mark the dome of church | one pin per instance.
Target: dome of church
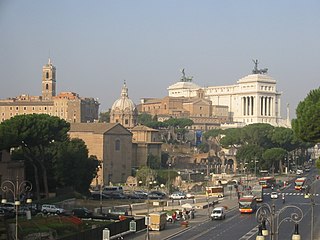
(124, 103)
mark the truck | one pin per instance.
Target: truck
(215, 191)
(157, 221)
(257, 192)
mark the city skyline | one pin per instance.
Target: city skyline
(96, 46)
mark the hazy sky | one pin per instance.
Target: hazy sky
(96, 45)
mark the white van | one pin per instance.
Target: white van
(218, 213)
(112, 189)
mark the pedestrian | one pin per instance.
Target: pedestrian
(174, 217)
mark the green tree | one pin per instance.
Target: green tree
(35, 134)
(231, 138)
(144, 118)
(213, 133)
(105, 116)
(145, 175)
(274, 157)
(154, 162)
(203, 147)
(156, 125)
(164, 159)
(73, 167)
(257, 134)
(284, 138)
(179, 125)
(307, 124)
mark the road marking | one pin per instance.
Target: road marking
(249, 234)
(214, 227)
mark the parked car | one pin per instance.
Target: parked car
(156, 195)
(6, 213)
(274, 195)
(49, 208)
(141, 194)
(22, 210)
(177, 195)
(218, 213)
(9, 206)
(117, 196)
(81, 212)
(98, 196)
(132, 195)
(190, 195)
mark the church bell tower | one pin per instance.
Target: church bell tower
(48, 81)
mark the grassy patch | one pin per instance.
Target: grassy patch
(59, 225)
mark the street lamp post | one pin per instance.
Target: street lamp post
(16, 189)
(255, 167)
(267, 213)
(310, 194)
(169, 184)
(147, 222)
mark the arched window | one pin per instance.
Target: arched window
(47, 75)
(117, 146)
(47, 86)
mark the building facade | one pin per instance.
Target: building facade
(66, 105)
(111, 143)
(146, 142)
(200, 110)
(254, 99)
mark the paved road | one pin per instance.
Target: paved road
(243, 227)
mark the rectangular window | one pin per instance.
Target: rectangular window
(117, 145)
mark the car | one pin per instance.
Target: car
(22, 211)
(6, 213)
(141, 194)
(156, 195)
(132, 195)
(177, 196)
(218, 213)
(299, 172)
(99, 196)
(82, 212)
(117, 196)
(274, 195)
(9, 206)
(190, 195)
(170, 219)
(50, 208)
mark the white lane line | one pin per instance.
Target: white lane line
(249, 234)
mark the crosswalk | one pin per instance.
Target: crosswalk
(292, 194)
